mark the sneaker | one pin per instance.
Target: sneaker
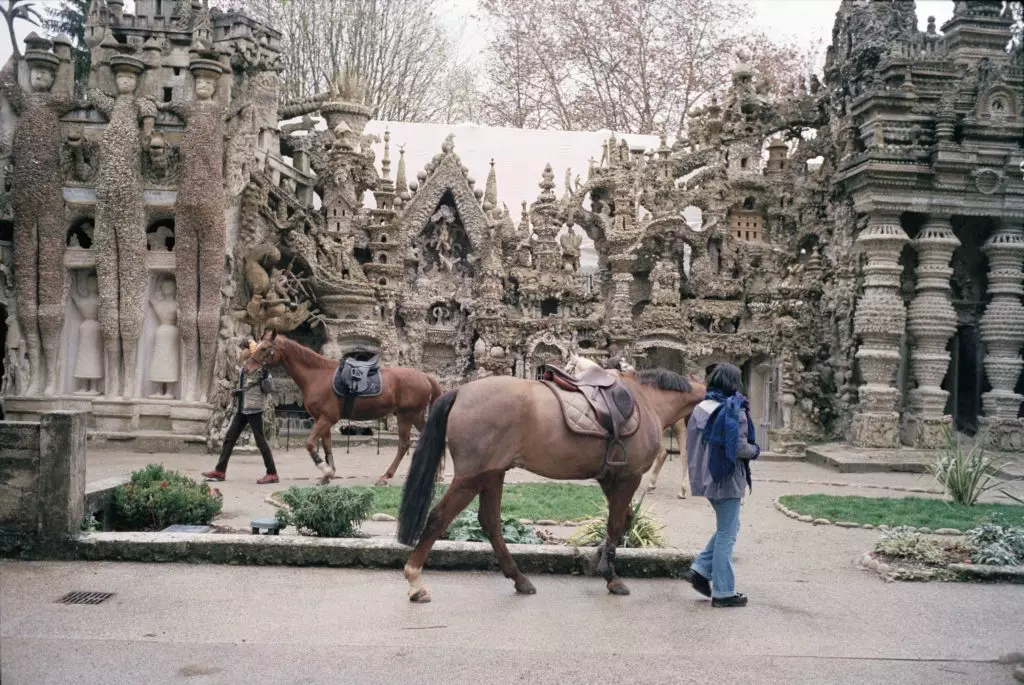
(269, 478)
(215, 476)
(737, 600)
(699, 582)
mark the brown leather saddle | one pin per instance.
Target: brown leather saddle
(596, 404)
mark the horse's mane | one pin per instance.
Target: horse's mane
(663, 379)
(306, 356)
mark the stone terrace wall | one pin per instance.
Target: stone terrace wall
(42, 478)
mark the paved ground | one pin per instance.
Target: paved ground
(222, 624)
(814, 616)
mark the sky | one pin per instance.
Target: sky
(801, 20)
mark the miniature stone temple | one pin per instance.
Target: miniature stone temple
(855, 246)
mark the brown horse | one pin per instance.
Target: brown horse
(499, 423)
(406, 393)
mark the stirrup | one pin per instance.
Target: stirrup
(612, 445)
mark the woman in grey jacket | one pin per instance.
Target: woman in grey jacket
(720, 444)
(253, 387)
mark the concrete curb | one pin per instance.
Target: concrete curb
(1006, 574)
(805, 518)
(272, 550)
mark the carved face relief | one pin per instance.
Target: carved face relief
(169, 289)
(206, 86)
(92, 287)
(126, 82)
(41, 79)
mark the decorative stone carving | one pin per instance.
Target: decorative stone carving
(79, 157)
(120, 242)
(931, 322)
(879, 323)
(1002, 330)
(38, 207)
(89, 358)
(570, 242)
(164, 366)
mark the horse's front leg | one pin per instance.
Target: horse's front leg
(405, 423)
(314, 435)
(620, 495)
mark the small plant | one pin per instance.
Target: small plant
(997, 545)
(965, 476)
(328, 512)
(466, 527)
(902, 543)
(644, 531)
(90, 524)
(155, 498)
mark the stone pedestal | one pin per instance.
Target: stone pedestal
(879, 324)
(931, 322)
(1002, 330)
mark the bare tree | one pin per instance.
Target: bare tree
(400, 47)
(628, 65)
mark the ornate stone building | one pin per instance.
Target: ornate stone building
(855, 247)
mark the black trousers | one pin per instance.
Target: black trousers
(255, 422)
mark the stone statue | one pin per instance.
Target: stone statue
(38, 205)
(443, 245)
(120, 241)
(89, 361)
(570, 242)
(200, 231)
(350, 266)
(164, 365)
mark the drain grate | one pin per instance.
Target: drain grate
(83, 597)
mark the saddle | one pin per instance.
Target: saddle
(596, 404)
(354, 379)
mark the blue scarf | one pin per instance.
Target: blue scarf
(722, 433)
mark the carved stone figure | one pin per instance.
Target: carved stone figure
(120, 242)
(164, 366)
(38, 206)
(200, 231)
(89, 360)
(570, 242)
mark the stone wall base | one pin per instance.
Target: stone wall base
(880, 430)
(926, 433)
(1003, 435)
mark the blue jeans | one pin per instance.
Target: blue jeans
(715, 561)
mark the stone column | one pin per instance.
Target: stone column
(878, 323)
(1002, 331)
(931, 322)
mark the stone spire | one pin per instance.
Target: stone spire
(401, 184)
(385, 163)
(491, 189)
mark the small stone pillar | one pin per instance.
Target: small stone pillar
(879, 323)
(1002, 330)
(62, 437)
(931, 322)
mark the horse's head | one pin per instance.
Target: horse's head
(266, 352)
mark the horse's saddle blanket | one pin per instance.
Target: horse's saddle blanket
(354, 378)
(598, 404)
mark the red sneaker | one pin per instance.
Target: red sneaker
(269, 478)
(215, 476)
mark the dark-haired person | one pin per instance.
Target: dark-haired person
(720, 444)
(251, 393)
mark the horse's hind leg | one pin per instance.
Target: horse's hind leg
(405, 423)
(620, 495)
(490, 520)
(459, 495)
(658, 463)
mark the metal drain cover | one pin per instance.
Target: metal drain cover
(83, 597)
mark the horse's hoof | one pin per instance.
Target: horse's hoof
(525, 587)
(323, 481)
(651, 487)
(617, 587)
(681, 495)
(381, 482)
(421, 596)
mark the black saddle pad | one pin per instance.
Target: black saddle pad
(357, 379)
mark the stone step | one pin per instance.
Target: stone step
(147, 441)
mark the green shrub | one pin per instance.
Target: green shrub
(997, 545)
(156, 498)
(644, 531)
(965, 476)
(901, 543)
(328, 512)
(466, 527)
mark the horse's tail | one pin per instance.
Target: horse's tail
(418, 492)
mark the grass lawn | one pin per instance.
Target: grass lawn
(906, 511)
(555, 501)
